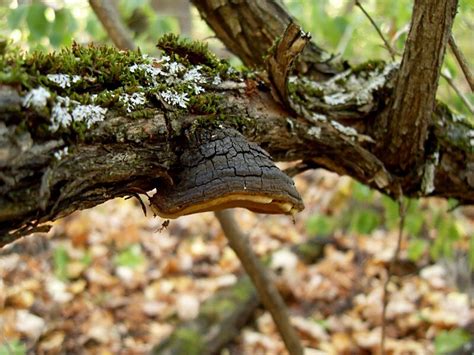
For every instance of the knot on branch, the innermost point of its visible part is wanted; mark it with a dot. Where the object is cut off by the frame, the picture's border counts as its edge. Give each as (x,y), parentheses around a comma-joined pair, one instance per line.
(281,59)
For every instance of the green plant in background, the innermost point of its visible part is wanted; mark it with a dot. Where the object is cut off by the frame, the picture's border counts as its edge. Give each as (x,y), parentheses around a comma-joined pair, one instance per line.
(450,340)
(131,257)
(343,29)
(12,347)
(367,210)
(42,25)
(60,261)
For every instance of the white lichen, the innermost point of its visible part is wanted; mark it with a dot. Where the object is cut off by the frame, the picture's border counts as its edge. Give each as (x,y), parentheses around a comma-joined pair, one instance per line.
(315,132)
(153,71)
(348,131)
(133,101)
(36,98)
(89,114)
(63,80)
(458,118)
(174,74)
(60,154)
(217,80)
(470,135)
(194,75)
(173,68)
(354,87)
(165,58)
(197,89)
(60,116)
(427,181)
(338,98)
(174,98)
(317,117)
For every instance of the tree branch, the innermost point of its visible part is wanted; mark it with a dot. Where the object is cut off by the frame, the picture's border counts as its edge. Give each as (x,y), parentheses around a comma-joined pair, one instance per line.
(410,112)
(249,28)
(267,292)
(136,151)
(462,62)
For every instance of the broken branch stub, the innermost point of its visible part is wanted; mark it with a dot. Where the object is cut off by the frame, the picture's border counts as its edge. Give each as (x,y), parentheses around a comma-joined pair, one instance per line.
(281,59)
(220,169)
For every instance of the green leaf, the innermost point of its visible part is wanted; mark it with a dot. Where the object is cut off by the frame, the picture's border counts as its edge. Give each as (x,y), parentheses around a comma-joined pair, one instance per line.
(13,347)
(16,17)
(131,257)
(37,22)
(391,212)
(417,248)
(362,193)
(130,5)
(94,28)
(319,225)
(365,221)
(62,28)
(61,260)
(86,259)
(447,341)
(414,222)
(471,253)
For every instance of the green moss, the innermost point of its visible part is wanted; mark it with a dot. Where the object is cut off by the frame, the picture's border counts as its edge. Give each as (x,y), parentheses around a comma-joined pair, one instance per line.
(196,52)
(105,75)
(370,65)
(189,340)
(222,120)
(142,113)
(207,103)
(215,309)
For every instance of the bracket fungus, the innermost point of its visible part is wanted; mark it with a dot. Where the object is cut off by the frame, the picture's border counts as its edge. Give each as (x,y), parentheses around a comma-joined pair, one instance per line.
(220,169)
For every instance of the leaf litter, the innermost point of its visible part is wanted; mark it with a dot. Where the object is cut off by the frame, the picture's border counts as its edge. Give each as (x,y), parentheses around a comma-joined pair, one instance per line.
(105,281)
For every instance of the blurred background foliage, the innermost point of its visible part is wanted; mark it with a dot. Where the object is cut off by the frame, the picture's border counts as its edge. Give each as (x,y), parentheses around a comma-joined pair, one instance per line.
(435,232)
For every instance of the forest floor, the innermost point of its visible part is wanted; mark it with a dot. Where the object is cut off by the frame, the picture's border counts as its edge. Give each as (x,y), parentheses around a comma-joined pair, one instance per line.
(112,280)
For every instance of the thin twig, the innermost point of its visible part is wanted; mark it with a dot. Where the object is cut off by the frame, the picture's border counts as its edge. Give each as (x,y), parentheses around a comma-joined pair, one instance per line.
(402,207)
(267,292)
(462,62)
(109,16)
(387,45)
(459,93)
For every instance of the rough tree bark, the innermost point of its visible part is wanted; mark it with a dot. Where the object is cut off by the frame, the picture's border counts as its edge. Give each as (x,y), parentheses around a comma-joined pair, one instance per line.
(334,123)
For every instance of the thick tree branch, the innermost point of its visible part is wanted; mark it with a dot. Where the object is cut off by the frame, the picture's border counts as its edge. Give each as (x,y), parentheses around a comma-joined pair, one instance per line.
(123,155)
(249,28)
(136,149)
(410,112)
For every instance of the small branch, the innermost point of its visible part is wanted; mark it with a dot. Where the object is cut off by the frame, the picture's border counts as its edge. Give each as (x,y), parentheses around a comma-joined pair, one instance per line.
(402,208)
(459,93)
(387,45)
(267,292)
(109,16)
(462,62)
(280,61)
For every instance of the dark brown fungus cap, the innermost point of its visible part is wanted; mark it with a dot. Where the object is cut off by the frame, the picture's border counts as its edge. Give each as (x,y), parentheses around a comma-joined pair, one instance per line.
(219,170)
